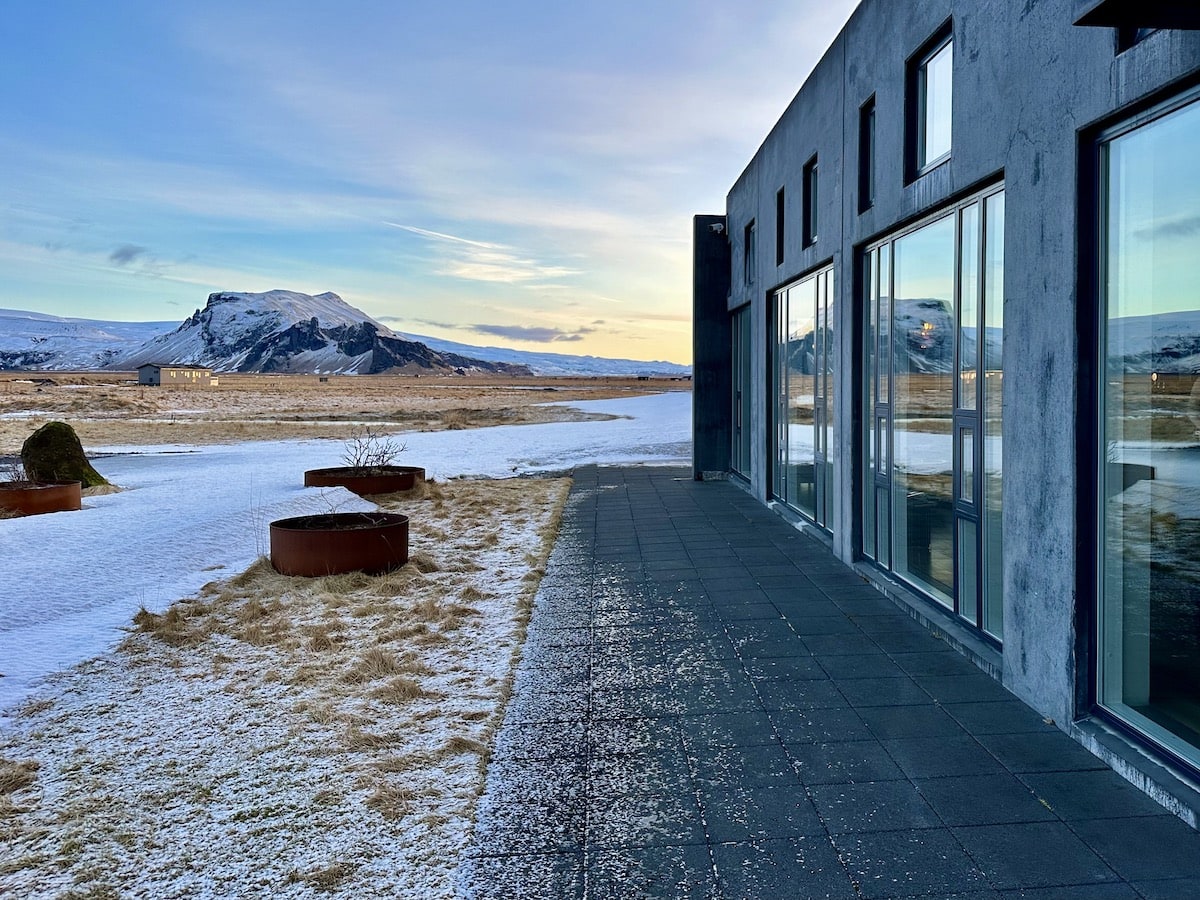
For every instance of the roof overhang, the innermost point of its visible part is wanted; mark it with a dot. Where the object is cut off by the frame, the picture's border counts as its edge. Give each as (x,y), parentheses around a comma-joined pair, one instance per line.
(1141,14)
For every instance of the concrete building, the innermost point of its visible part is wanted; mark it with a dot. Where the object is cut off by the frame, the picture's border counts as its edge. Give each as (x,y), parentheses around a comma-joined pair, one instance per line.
(176,376)
(950,322)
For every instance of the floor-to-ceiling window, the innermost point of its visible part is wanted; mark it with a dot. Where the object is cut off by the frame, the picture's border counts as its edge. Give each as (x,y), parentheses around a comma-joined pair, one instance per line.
(1148,665)
(740,455)
(932,407)
(802,385)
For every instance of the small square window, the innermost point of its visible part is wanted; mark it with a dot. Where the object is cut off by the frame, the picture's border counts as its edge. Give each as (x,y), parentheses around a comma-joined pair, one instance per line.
(810,202)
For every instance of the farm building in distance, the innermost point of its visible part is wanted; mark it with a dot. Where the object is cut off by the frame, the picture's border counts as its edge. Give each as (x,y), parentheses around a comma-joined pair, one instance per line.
(177,376)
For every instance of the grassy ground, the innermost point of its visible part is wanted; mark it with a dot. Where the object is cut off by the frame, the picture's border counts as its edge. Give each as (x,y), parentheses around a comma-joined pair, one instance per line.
(278,736)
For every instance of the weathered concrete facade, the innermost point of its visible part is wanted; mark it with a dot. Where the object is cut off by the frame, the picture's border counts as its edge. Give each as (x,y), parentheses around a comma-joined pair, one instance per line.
(1032,93)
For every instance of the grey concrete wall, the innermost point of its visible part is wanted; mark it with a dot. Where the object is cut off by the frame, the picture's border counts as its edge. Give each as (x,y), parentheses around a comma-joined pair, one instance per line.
(711,343)
(1028,87)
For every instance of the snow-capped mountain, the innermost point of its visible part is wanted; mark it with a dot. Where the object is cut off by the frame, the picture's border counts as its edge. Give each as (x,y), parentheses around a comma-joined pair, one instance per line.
(277,331)
(32,340)
(290,332)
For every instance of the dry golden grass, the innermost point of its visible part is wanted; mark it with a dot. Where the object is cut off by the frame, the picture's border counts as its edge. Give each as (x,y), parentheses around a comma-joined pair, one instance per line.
(15,776)
(106,409)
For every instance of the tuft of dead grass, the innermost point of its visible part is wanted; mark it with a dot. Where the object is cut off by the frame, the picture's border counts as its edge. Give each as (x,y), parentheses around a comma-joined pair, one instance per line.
(392,801)
(15,776)
(373,664)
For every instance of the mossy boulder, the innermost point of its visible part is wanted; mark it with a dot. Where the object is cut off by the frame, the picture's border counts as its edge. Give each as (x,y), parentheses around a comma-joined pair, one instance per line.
(54,453)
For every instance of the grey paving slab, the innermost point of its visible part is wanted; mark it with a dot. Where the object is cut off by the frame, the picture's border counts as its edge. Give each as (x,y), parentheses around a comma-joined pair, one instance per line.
(710,705)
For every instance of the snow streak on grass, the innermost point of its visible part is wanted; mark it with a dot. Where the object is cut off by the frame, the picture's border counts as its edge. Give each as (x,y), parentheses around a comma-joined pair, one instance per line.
(279,736)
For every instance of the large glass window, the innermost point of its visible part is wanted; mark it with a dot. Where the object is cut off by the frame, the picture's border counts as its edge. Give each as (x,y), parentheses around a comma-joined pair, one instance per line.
(802,386)
(1149,454)
(932,407)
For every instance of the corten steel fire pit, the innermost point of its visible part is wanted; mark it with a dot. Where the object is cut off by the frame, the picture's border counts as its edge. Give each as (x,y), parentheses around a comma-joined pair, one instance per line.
(332,543)
(31,498)
(366,480)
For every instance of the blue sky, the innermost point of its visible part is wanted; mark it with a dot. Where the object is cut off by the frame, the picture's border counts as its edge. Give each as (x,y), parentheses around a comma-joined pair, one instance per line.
(519,174)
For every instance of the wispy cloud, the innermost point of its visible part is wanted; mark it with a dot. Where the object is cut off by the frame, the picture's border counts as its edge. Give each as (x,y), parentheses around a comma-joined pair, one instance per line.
(1185,227)
(125,254)
(486,261)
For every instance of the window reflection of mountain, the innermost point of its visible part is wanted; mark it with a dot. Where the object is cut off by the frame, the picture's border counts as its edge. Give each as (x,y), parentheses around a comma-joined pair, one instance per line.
(928,329)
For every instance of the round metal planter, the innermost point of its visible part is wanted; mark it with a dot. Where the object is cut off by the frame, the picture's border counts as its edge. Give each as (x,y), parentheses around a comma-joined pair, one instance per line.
(31,498)
(329,544)
(375,480)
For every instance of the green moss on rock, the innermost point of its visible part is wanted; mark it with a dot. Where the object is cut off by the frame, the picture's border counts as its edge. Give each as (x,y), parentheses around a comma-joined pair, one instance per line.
(54,453)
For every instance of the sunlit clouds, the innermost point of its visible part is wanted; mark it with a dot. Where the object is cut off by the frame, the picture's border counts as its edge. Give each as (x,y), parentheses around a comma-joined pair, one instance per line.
(525,172)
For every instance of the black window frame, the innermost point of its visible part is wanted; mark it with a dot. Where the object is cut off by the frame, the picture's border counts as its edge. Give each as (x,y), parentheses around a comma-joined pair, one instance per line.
(749,267)
(780,224)
(866,155)
(915,103)
(811,174)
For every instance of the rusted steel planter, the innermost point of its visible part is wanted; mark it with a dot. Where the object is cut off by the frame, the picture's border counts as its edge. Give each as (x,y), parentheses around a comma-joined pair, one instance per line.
(375,480)
(31,498)
(329,544)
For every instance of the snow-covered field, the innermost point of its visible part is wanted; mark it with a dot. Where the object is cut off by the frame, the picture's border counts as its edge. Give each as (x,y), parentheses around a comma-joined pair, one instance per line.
(273,737)
(70,582)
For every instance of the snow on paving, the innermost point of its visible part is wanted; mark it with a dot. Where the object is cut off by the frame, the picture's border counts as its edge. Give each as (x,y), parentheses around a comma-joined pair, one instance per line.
(270,736)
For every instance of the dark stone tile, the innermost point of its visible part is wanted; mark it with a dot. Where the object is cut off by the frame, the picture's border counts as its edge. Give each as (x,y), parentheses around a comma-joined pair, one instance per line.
(560,706)
(818,726)
(533,780)
(622,702)
(1032,854)
(796,607)
(927,862)
(785,668)
(1099,794)
(799,695)
(1007,717)
(641,820)
(899,722)
(911,640)
(804,867)
(619,737)
(542,827)
(971,687)
(940,757)
(746,728)
(840,644)
(654,773)
(866,665)
(1109,891)
(983,800)
(844,762)
(882,692)
(761,765)
(667,872)
(882,622)
(757,813)
(545,739)
(699,697)
(872,806)
(941,661)
(1147,847)
(747,612)
(522,875)
(1169,889)
(1039,752)
(823,625)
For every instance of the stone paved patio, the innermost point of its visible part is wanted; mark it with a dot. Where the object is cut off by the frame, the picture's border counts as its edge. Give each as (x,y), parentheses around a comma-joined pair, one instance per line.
(711,705)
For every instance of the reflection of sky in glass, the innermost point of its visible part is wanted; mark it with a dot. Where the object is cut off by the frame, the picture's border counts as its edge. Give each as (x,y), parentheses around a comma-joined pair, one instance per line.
(1154,222)
(925,263)
(939,90)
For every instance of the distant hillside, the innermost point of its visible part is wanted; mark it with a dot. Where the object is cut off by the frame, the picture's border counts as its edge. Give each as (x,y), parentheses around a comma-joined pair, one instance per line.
(32,340)
(559,363)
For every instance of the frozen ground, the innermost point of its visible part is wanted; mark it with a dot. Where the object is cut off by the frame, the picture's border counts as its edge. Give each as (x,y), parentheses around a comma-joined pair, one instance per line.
(70,583)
